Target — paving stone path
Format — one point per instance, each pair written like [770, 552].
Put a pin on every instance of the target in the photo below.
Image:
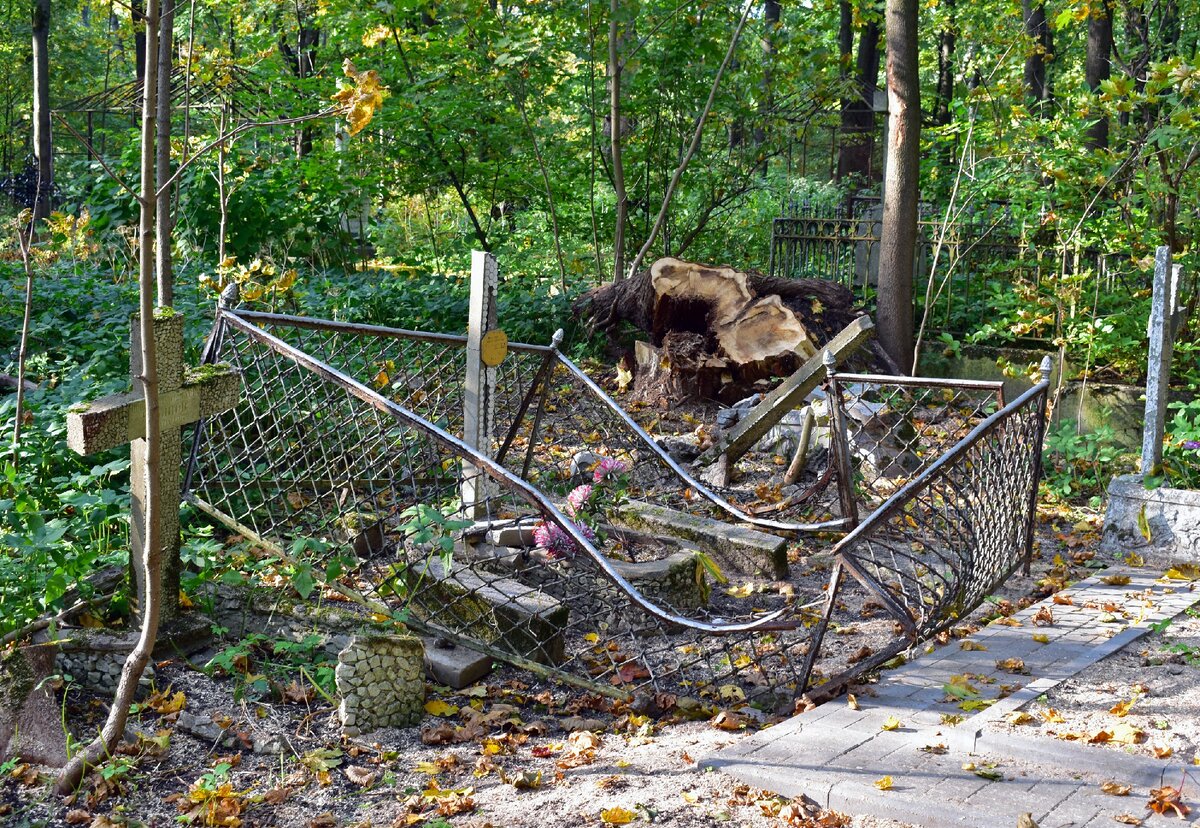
[834, 754]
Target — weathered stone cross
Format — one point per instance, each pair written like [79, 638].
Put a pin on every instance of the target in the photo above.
[184, 397]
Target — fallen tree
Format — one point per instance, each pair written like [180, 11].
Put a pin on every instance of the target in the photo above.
[715, 332]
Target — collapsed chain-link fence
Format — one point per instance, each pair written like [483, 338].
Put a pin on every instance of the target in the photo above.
[346, 455]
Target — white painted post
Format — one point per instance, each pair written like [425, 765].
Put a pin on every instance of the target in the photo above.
[1164, 319]
[479, 404]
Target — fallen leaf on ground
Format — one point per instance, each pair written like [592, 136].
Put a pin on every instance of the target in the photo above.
[1053, 716]
[1041, 638]
[884, 784]
[1166, 800]
[617, 816]
[852, 702]
[968, 644]
[1116, 788]
[437, 707]
[891, 723]
[1115, 580]
[525, 780]
[1127, 819]
[1162, 751]
[1063, 600]
[1044, 617]
[1122, 708]
[360, 776]
[1012, 665]
[1020, 717]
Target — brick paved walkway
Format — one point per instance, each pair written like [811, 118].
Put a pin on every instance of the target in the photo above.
[833, 754]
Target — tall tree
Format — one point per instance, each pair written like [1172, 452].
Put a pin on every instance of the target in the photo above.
[1098, 65]
[1040, 47]
[901, 185]
[858, 115]
[615, 126]
[947, 37]
[771, 16]
[43, 151]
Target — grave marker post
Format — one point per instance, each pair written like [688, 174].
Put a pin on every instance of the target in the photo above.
[486, 348]
[1164, 320]
[185, 396]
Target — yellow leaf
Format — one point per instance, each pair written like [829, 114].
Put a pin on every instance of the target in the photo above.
[1041, 638]
[1122, 708]
[884, 784]
[1116, 788]
[430, 768]
[437, 707]
[1053, 716]
[689, 797]
[1115, 580]
[1127, 734]
[591, 637]
[1019, 717]
[617, 816]
[731, 692]
[892, 723]
[1183, 572]
[968, 644]
[852, 702]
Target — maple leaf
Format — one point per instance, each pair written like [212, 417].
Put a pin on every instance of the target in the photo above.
[617, 816]
[891, 723]
[884, 783]
[1166, 800]
[360, 100]
[1116, 788]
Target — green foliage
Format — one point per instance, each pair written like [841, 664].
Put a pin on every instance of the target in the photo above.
[1181, 450]
[1078, 465]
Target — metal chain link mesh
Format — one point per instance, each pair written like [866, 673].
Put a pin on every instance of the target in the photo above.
[344, 456]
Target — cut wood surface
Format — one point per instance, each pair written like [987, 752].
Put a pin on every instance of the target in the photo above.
[716, 330]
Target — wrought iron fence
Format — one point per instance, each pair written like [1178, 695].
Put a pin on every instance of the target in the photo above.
[342, 456]
[843, 246]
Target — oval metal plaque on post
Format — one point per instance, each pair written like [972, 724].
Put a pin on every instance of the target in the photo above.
[493, 347]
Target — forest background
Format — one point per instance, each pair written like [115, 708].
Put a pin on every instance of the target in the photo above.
[551, 134]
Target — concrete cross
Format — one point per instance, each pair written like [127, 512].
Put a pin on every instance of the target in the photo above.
[184, 397]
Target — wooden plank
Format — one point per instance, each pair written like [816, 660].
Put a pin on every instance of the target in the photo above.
[789, 395]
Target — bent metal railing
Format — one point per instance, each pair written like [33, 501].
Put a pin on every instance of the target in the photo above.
[342, 457]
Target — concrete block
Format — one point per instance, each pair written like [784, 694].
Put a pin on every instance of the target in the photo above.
[452, 665]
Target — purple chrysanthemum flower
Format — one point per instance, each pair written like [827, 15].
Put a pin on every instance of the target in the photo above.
[609, 467]
[555, 540]
[1192, 445]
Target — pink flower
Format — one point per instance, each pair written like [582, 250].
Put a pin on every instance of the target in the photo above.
[577, 499]
[609, 467]
[555, 540]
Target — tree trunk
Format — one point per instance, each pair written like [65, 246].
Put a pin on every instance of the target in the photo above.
[43, 149]
[114, 726]
[1037, 28]
[715, 331]
[945, 75]
[163, 219]
[1098, 66]
[858, 117]
[615, 130]
[898, 242]
[137, 14]
[771, 16]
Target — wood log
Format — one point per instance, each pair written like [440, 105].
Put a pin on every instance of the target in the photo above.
[714, 331]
